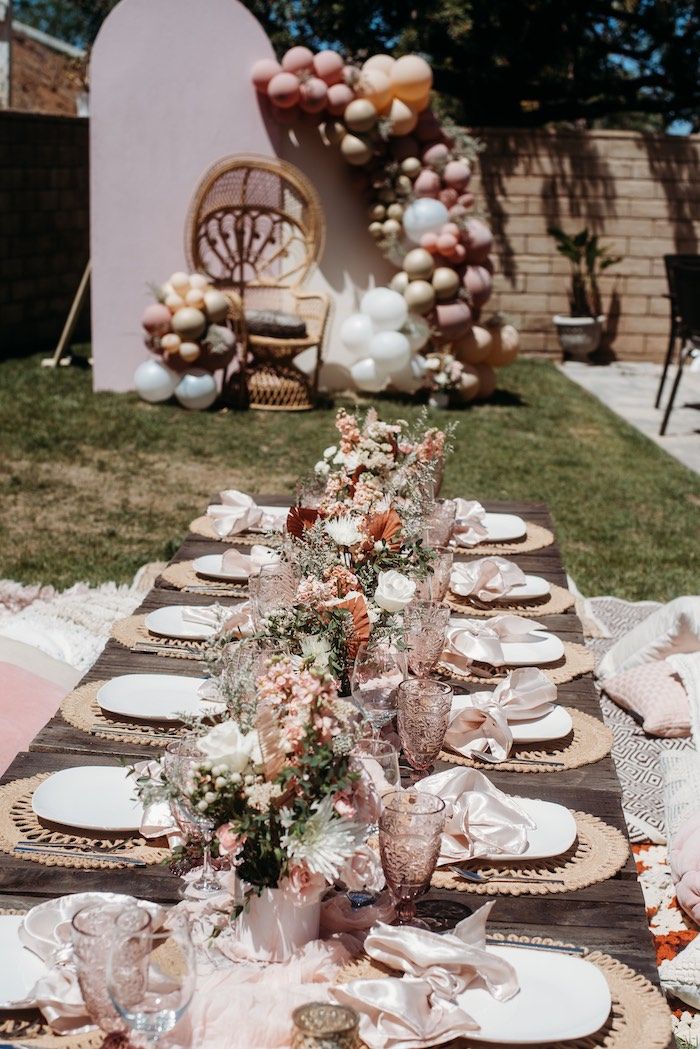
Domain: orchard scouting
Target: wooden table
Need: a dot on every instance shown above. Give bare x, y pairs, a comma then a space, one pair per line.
609, 916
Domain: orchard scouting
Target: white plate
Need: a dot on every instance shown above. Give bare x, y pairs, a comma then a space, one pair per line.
211, 567
92, 797
537, 649
554, 832
561, 997
169, 622
503, 528
154, 697
19, 968
553, 725
534, 587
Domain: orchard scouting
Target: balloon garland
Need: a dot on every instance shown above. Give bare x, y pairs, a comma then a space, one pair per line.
421, 214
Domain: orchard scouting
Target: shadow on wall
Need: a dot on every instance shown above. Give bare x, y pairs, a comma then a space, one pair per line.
674, 162
569, 166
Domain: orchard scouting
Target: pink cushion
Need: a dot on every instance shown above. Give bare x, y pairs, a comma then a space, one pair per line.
655, 694
684, 860
27, 702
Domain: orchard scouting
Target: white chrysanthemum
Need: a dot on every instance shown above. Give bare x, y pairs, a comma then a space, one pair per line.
327, 842
316, 648
344, 531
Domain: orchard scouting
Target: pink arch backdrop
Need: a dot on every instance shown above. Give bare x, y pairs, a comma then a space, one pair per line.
171, 94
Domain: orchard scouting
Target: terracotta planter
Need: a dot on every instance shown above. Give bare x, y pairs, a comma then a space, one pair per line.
579, 337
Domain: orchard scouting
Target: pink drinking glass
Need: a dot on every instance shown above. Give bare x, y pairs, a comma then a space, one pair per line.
410, 834
424, 631
424, 709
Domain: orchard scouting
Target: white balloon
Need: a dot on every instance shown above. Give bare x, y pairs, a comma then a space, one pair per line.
387, 309
355, 333
417, 331
196, 390
367, 376
155, 382
410, 378
425, 215
390, 350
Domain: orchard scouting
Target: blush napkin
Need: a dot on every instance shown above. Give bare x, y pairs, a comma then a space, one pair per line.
469, 527
238, 512
249, 564
488, 578
474, 641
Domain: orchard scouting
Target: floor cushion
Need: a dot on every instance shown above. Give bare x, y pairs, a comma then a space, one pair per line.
672, 629
654, 695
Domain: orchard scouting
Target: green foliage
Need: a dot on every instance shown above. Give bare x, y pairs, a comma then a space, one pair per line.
588, 258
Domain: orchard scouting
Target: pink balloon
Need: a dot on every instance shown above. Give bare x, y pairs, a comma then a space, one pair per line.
478, 240
283, 90
429, 241
156, 319
460, 253
457, 211
339, 97
477, 282
298, 60
436, 154
262, 73
453, 228
428, 126
448, 197
328, 65
457, 174
446, 243
466, 200
453, 319
427, 184
313, 95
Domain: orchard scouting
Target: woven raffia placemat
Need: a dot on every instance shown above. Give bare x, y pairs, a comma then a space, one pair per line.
588, 742
132, 632
577, 660
536, 538
203, 526
639, 1018
182, 576
19, 823
81, 709
558, 600
598, 853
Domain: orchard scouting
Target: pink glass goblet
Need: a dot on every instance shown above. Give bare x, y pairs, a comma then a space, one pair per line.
410, 834
424, 710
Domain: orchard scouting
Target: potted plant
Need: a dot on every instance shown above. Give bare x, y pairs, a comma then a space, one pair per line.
579, 334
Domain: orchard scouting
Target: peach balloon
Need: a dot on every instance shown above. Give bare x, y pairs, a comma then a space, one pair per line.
328, 65
313, 94
427, 184
457, 174
375, 86
421, 104
446, 243
411, 78
448, 197
384, 63
283, 90
487, 380
469, 383
460, 253
262, 73
339, 97
429, 241
401, 118
504, 346
298, 60
474, 347
156, 318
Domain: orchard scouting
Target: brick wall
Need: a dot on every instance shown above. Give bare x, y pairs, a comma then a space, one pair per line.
640, 192
44, 228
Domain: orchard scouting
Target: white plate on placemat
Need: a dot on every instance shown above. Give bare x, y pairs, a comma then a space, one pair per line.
19, 968
503, 528
533, 588
90, 797
154, 697
538, 648
169, 622
210, 566
562, 997
553, 834
553, 725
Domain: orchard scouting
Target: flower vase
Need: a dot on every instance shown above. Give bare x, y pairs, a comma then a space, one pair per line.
439, 399
274, 926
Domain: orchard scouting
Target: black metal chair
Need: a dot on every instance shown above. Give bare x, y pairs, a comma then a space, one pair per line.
672, 262
686, 280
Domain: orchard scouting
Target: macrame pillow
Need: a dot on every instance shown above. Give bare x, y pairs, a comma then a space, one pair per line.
654, 695
680, 976
274, 324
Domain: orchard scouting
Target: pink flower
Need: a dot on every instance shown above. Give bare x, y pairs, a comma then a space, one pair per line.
363, 870
307, 887
229, 841
344, 806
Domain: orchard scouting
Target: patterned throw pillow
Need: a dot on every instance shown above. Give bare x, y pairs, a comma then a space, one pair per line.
654, 695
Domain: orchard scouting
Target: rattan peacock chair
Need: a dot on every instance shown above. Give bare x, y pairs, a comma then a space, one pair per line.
256, 226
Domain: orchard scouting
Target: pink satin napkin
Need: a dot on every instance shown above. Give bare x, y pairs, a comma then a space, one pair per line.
238, 512
480, 722
249, 564
488, 578
469, 527
46, 931
480, 819
239, 621
157, 820
421, 1009
478, 641
206, 615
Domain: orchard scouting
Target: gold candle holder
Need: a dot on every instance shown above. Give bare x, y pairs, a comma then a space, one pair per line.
318, 1025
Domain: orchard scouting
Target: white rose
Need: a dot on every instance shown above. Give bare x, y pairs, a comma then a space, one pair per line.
225, 744
322, 469
394, 591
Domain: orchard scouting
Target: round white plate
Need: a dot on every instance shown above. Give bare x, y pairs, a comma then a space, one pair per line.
533, 588
19, 968
561, 996
554, 831
91, 797
154, 697
211, 567
538, 648
553, 725
503, 528
168, 622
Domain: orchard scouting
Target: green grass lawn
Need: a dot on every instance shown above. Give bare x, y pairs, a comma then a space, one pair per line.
93, 486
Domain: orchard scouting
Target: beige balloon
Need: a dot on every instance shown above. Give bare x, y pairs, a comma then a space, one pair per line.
355, 151
377, 212
217, 305
402, 119
190, 351
334, 131
419, 264
399, 282
473, 348
360, 115
395, 211
505, 343
445, 282
411, 166
392, 228
377, 230
403, 185
420, 296
189, 323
